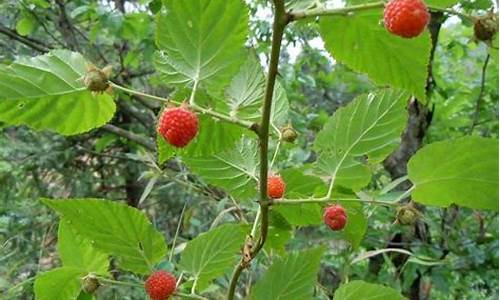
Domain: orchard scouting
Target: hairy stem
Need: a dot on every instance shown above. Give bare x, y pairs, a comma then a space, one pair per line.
280, 21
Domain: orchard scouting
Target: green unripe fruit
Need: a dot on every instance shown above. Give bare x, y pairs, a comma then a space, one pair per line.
288, 134
407, 215
90, 284
97, 80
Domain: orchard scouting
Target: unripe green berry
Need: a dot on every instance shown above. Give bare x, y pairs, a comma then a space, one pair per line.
288, 134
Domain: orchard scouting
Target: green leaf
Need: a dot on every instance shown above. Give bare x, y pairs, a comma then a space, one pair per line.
364, 131
441, 3
291, 277
462, 171
245, 94
77, 252
234, 170
201, 41
362, 44
277, 238
280, 106
213, 137
356, 226
25, 26
358, 289
59, 284
114, 228
300, 185
85, 296
212, 253
46, 92
246, 91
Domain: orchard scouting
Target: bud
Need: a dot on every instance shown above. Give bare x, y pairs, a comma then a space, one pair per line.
486, 27
97, 80
288, 134
407, 215
90, 284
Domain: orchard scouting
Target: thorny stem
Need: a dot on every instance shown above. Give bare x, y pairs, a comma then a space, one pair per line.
246, 124
281, 19
321, 11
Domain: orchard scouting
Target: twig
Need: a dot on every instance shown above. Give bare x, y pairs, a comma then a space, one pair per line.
38, 46
130, 136
475, 117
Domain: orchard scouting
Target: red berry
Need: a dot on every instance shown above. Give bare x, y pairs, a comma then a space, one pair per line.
160, 285
275, 186
178, 126
406, 18
335, 217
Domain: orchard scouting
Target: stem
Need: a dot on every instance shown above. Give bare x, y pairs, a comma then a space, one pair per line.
255, 222
279, 24
404, 195
137, 93
234, 280
321, 11
116, 282
275, 153
316, 12
177, 232
475, 117
130, 136
280, 21
193, 92
246, 124
327, 200
190, 296
450, 11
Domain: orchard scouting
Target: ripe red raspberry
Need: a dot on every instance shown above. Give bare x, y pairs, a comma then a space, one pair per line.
178, 126
160, 285
406, 18
275, 186
335, 217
